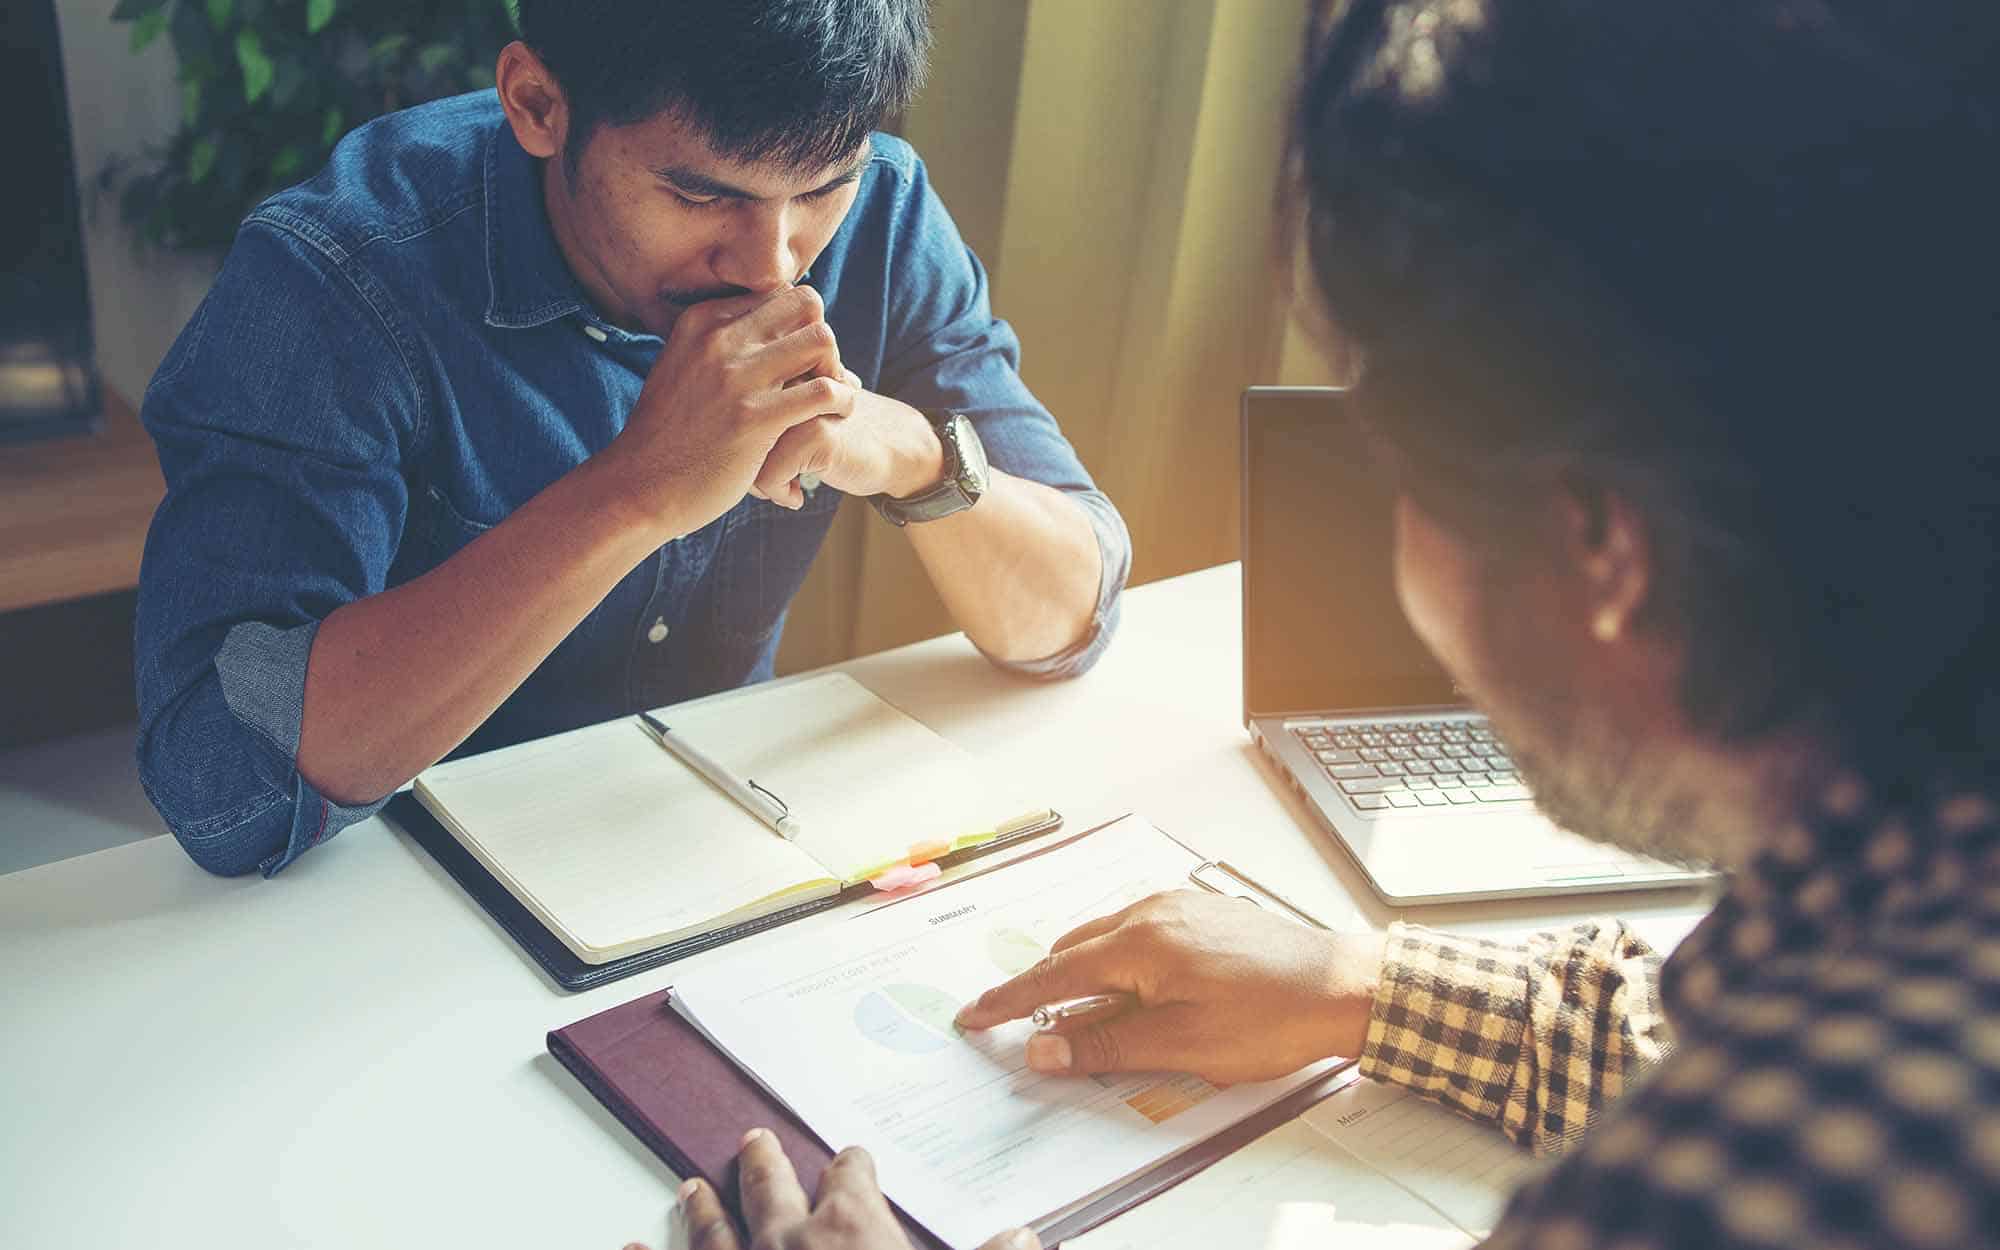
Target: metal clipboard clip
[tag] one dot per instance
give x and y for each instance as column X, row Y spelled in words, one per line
column 1217, row 877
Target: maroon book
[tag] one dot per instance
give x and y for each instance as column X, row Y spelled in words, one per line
column 691, row 1105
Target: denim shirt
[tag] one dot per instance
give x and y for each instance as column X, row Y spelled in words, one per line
column 393, row 358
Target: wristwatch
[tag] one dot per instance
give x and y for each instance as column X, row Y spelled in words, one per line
column 964, row 481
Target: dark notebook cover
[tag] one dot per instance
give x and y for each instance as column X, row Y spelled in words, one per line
column 691, row 1106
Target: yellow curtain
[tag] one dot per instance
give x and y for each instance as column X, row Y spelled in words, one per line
column 1113, row 164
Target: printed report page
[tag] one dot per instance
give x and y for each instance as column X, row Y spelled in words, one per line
column 852, row 1028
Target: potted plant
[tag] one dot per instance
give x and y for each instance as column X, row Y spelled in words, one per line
column 269, row 86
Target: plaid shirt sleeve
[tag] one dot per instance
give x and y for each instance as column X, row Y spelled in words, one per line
column 1536, row 1037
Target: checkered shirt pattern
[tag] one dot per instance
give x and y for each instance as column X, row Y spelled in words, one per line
column 1836, row 1082
column 1536, row 1038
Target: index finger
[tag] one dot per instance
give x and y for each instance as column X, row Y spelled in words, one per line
column 1090, row 967
column 852, row 1172
column 770, row 317
column 772, row 1198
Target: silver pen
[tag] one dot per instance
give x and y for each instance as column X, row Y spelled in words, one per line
column 750, row 796
column 1056, row 1013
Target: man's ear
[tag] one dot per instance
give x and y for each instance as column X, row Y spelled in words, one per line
column 1609, row 550
column 532, row 99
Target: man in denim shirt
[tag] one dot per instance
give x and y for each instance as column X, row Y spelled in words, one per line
column 532, row 408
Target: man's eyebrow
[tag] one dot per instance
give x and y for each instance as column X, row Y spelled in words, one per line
column 694, row 182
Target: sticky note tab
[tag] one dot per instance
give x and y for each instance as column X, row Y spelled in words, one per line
column 925, row 852
column 903, row 876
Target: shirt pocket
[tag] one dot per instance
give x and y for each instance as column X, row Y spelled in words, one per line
column 762, row 561
column 442, row 531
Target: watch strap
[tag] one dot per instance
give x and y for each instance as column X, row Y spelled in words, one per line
column 949, row 496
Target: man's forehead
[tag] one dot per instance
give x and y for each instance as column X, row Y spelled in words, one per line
column 679, row 150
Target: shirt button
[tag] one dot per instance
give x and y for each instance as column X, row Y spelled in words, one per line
column 599, row 336
column 658, row 633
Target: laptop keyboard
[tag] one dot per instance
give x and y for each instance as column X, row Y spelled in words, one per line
column 1414, row 763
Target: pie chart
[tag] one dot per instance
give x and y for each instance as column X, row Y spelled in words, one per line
column 908, row 1018
column 1012, row 951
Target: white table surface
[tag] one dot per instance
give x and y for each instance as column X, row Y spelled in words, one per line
column 352, row 1054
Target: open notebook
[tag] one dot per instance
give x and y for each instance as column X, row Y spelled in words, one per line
column 616, row 846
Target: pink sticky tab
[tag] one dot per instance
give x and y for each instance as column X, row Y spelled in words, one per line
column 903, row 876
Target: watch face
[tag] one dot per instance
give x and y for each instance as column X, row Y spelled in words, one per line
column 972, row 467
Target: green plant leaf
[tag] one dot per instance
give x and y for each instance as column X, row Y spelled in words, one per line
column 388, row 48
column 147, row 29
column 128, row 10
column 290, row 161
column 220, row 11
column 434, row 56
column 191, row 102
column 257, row 67
column 318, row 14
column 329, row 134
column 201, row 158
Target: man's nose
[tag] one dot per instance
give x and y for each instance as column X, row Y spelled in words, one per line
column 758, row 254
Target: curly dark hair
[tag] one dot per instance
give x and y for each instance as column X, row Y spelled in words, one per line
column 1733, row 259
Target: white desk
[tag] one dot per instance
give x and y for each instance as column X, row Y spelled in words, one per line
column 351, row 1055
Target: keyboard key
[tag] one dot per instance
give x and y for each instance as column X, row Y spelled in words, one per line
column 1442, row 767
column 1500, row 794
column 1434, row 751
column 1399, row 739
column 1315, row 739
column 1374, row 755
column 1369, row 802
column 1460, row 796
column 1402, row 753
column 1346, row 742
column 1371, row 739
column 1372, row 785
column 1348, row 772
column 1419, row 783
column 1428, row 737
column 1337, row 757
column 1499, row 763
column 1390, row 768
column 1504, row 778
column 1448, row 781
column 1419, row 768
column 1403, row 798
column 1431, row 798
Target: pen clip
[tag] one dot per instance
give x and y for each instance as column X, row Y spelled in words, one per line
column 783, row 806
column 1235, row 885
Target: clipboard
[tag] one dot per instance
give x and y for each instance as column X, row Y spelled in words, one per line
column 689, row 1103
column 561, row 964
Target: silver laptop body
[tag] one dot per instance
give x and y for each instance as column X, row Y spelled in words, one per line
column 1341, row 694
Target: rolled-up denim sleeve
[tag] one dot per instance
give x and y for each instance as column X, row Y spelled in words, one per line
column 946, row 350
column 283, row 415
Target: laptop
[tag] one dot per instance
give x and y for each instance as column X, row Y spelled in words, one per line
column 1349, row 704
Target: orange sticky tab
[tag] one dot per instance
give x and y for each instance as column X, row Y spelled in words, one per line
column 925, row 852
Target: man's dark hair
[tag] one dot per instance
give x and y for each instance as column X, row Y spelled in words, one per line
column 798, row 82
column 1733, row 259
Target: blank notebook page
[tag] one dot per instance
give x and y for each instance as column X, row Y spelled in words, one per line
column 611, row 840
column 865, row 780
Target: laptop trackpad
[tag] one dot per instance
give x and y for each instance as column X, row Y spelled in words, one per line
column 1419, row 855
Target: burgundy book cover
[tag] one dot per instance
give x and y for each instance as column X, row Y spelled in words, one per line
column 691, row 1105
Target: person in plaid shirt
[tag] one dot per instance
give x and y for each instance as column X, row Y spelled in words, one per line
column 1674, row 325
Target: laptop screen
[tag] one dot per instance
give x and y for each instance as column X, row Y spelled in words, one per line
column 1322, row 629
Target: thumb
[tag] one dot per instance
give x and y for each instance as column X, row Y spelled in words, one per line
column 1152, row 1039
